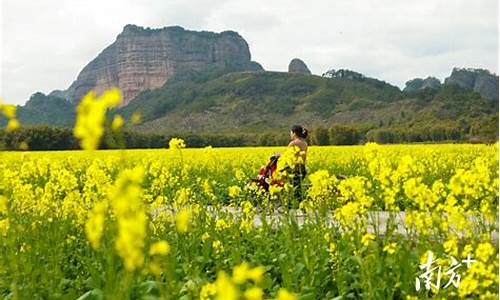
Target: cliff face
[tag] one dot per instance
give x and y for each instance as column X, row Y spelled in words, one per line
column 421, row 84
column 298, row 66
column 142, row 59
column 479, row 80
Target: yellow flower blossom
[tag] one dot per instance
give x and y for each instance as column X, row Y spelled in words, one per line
column 159, row 248
column 176, row 143
column 365, row 240
column 484, row 251
column 390, row 248
column 253, row 293
column 234, row 191
column 217, row 246
column 182, row 220
column 226, row 290
column 283, row 294
column 117, row 123
column 207, row 291
column 94, row 228
column 91, row 113
column 12, row 125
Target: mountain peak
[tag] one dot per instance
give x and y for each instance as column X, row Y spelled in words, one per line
column 479, row 80
column 298, row 66
column 144, row 58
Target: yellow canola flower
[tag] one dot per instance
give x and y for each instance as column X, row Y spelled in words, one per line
column 91, row 114
column 126, row 200
column 243, row 272
column 3, row 204
column 12, row 125
column 176, row 143
column 207, row 291
column 182, row 197
column 4, row 226
column 484, row 251
column 283, row 294
column 234, row 191
column 451, row 246
column 221, row 224
column 322, row 185
column 205, row 236
column 256, row 274
column 332, row 249
column 467, row 286
column 349, row 213
column 253, row 293
column 225, row 288
column 182, row 219
column 390, row 248
column 217, row 246
column 365, row 240
column 94, row 228
column 159, row 248
column 117, row 123
column 130, row 242
column 9, row 111
column 240, row 273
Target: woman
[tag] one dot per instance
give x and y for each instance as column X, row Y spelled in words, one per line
column 298, row 135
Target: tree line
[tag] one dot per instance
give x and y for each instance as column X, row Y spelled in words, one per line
column 62, row 138
column 483, row 131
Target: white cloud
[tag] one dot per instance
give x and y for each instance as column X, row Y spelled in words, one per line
column 46, row 43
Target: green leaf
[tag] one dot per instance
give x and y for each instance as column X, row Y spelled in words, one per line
column 95, row 294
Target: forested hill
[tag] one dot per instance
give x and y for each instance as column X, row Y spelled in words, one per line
column 267, row 101
column 226, row 100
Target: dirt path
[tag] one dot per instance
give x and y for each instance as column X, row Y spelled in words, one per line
column 377, row 220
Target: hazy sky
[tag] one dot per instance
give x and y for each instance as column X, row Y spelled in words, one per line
column 45, row 43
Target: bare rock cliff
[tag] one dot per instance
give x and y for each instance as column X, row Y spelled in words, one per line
column 142, row 59
column 298, row 66
column 479, row 80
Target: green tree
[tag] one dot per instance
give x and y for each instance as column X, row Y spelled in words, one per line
column 343, row 135
column 320, row 136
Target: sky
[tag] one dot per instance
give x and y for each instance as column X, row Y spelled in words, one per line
column 45, row 44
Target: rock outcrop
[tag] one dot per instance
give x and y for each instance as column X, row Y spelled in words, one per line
column 142, row 59
column 418, row 84
column 298, row 66
column 479, row 80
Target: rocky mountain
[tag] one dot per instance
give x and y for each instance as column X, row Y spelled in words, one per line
column 46, row 109
column 418, row 84
column 298, row 66
column 205, row 82
column 143, row 59
column 256, row 102
column 479, row 80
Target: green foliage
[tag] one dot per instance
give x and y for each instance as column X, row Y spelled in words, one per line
column 320, row 136
column 40, row 138
column 343, row 135
column 54, row 138
column 46, row 110
column 227, row 104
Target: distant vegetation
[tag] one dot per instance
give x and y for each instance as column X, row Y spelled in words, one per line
column 222, row 106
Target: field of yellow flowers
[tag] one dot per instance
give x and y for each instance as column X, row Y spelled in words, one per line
column 182, row 223
column 151, row 224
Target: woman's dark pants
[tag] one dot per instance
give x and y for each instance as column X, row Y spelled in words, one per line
column 298, row 175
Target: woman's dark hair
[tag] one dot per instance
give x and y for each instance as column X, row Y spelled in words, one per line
column 299, row 131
